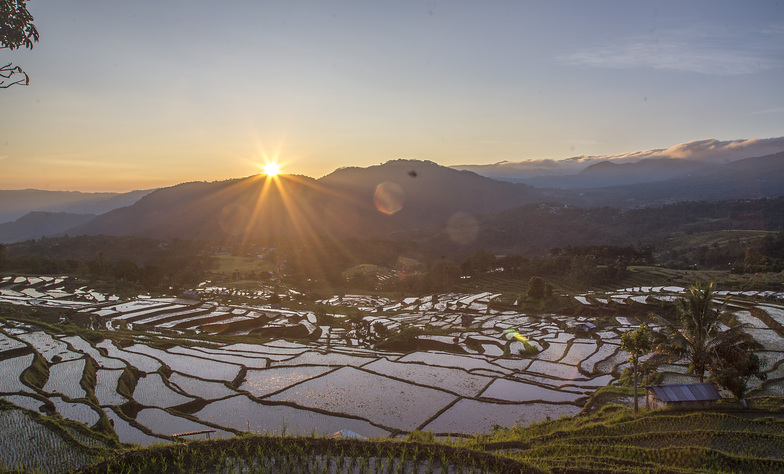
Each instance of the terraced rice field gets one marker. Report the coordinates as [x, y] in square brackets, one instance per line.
[471, 380]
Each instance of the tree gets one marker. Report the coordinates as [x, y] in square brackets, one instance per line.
[637, 343]
[482, 261]
[536, 288]
[16, 30]
[727, 353]
[735, 368]
[442, 275]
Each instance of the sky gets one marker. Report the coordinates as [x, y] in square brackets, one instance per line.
[139, 94]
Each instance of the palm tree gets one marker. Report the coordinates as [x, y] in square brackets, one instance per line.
[708, 345]
[637, 343]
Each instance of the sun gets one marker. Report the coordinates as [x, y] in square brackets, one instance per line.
[271, 169]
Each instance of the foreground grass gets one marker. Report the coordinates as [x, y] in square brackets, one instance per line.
[612, 439]
[258, 453]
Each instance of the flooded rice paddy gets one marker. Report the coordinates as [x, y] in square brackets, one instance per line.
[465, 380]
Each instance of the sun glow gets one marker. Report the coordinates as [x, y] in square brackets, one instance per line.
[271, 169]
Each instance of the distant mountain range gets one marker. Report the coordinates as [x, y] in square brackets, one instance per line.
[16, 203]
[397, 196]
[350, 202]
[41, 224]
[698, 156]
[750, 178]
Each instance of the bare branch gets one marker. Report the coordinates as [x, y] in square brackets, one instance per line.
[8, 72]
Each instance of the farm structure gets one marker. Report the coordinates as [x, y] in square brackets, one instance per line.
[685, 395]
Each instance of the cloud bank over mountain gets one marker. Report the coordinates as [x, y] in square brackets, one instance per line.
[709, 151]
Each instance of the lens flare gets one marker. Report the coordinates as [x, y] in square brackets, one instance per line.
[388, 197]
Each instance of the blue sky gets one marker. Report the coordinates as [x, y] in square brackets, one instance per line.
[136, 94]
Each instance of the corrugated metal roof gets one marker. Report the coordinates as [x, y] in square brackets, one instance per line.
[686, 392]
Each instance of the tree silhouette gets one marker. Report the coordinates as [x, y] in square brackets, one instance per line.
[16, 30]
[637, 343]
[708, 345]
[536, 288]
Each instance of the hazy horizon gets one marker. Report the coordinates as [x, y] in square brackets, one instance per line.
[139, 95]
[708, 151]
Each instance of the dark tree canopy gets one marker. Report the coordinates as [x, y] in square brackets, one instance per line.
[700, 337]
[16, 31]
[536, 288]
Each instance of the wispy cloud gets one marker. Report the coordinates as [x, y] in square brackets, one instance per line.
[74, 161]
[778, 110]
[713, 50]
[2, 157]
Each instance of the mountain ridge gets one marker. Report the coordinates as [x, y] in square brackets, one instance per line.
[560, 173]
[37, 224]
[350, 202]
[15, 203]
[409, 195]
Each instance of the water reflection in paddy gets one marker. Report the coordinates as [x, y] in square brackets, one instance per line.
[241, 413]
[75, 411]
[605, 351]
[266, 381]
[195, 366]
[205, 389]
[334, 359]
[455, 380]
[152, 391]
[247, 360]
[164, 423]
[553, 352]
[474, 416]
[83, 346]
[552, 369]
[64, 378]
[11, 370]
[106, 387]
[510, 390]
[24, 401]
[578, 352]
[127, 433]
[449, 360]
[383, 400]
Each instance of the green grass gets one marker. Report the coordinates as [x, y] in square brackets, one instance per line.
[37, 374]
[724, 279]
[33, 442]
[614, 438]
[229, 263]
[257, 453]
[611, 439]
[511, 287]
[719, 238]
[493, 282]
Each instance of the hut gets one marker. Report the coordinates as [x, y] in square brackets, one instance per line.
[686, 395]
[585, 327]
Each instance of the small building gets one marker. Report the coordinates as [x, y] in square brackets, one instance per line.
[189, 297]
[686, 395]
[585, 327]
